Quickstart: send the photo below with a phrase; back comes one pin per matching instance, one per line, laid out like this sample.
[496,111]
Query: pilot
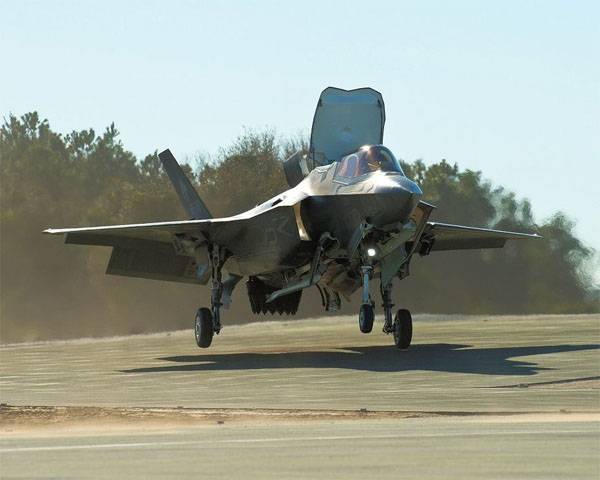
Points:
[372,161]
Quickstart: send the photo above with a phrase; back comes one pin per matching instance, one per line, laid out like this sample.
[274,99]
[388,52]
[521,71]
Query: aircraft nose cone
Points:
[399,185]
[401,195]
[413,187]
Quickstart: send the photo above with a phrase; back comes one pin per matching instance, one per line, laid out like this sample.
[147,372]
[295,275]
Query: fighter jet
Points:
[350,216]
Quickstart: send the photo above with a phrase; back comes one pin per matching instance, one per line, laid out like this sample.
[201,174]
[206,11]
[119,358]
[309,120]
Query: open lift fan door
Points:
[344,121]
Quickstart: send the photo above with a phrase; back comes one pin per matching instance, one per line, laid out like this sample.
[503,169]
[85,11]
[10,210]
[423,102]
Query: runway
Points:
[473,397]
[412,448]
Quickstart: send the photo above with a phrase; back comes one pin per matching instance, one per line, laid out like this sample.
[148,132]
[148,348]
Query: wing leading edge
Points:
[445,236]
[112,235]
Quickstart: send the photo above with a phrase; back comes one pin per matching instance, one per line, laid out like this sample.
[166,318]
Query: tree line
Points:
[49,290]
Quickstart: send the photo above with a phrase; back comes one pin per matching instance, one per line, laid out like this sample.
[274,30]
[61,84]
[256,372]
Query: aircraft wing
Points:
[148,250]
[444,236]
[257,239]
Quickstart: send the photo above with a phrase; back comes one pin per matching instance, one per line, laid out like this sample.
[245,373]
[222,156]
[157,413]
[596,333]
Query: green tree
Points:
[48,290]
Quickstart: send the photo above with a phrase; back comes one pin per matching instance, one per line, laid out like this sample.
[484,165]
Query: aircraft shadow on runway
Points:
[439,357]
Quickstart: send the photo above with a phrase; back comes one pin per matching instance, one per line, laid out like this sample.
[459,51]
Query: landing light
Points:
[371,252]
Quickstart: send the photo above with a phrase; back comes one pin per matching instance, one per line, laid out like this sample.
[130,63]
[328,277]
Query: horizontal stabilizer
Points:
[188,196]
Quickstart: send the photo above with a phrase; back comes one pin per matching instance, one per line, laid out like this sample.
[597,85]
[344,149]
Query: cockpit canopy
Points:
[370,158]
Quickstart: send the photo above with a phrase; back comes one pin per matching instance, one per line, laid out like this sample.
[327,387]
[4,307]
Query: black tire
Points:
[365,318]
[402,329]
[203,328]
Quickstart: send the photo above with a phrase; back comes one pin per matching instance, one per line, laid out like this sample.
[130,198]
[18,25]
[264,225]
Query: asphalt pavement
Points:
[493,397]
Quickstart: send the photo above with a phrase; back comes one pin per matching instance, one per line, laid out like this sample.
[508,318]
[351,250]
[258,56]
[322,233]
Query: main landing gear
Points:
[208,321]
[203,328]
[401,326]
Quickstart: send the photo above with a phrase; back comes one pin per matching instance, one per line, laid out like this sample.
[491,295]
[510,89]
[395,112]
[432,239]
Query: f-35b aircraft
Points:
[351,215]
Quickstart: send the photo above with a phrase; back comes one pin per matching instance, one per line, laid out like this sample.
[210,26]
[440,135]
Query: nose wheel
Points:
[365,318]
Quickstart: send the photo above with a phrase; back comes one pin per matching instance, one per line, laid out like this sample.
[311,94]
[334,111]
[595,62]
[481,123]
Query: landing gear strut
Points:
[386,297]
[208,321]
[216,264]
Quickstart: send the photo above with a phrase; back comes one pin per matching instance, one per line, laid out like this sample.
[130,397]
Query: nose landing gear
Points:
[400,326]
[366,315]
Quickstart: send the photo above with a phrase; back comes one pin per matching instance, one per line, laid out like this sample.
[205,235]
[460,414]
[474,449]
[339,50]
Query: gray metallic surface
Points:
[267,238]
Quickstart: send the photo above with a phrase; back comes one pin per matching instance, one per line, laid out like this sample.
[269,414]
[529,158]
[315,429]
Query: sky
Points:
[509,88]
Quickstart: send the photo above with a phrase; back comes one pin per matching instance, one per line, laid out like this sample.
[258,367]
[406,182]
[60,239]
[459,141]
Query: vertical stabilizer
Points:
[188,196]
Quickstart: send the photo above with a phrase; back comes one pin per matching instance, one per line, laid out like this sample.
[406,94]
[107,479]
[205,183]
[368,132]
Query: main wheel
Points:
[402,329]
[365,318]
[203,328]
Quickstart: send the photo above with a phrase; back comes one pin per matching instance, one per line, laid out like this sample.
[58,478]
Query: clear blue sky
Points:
[510,88]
